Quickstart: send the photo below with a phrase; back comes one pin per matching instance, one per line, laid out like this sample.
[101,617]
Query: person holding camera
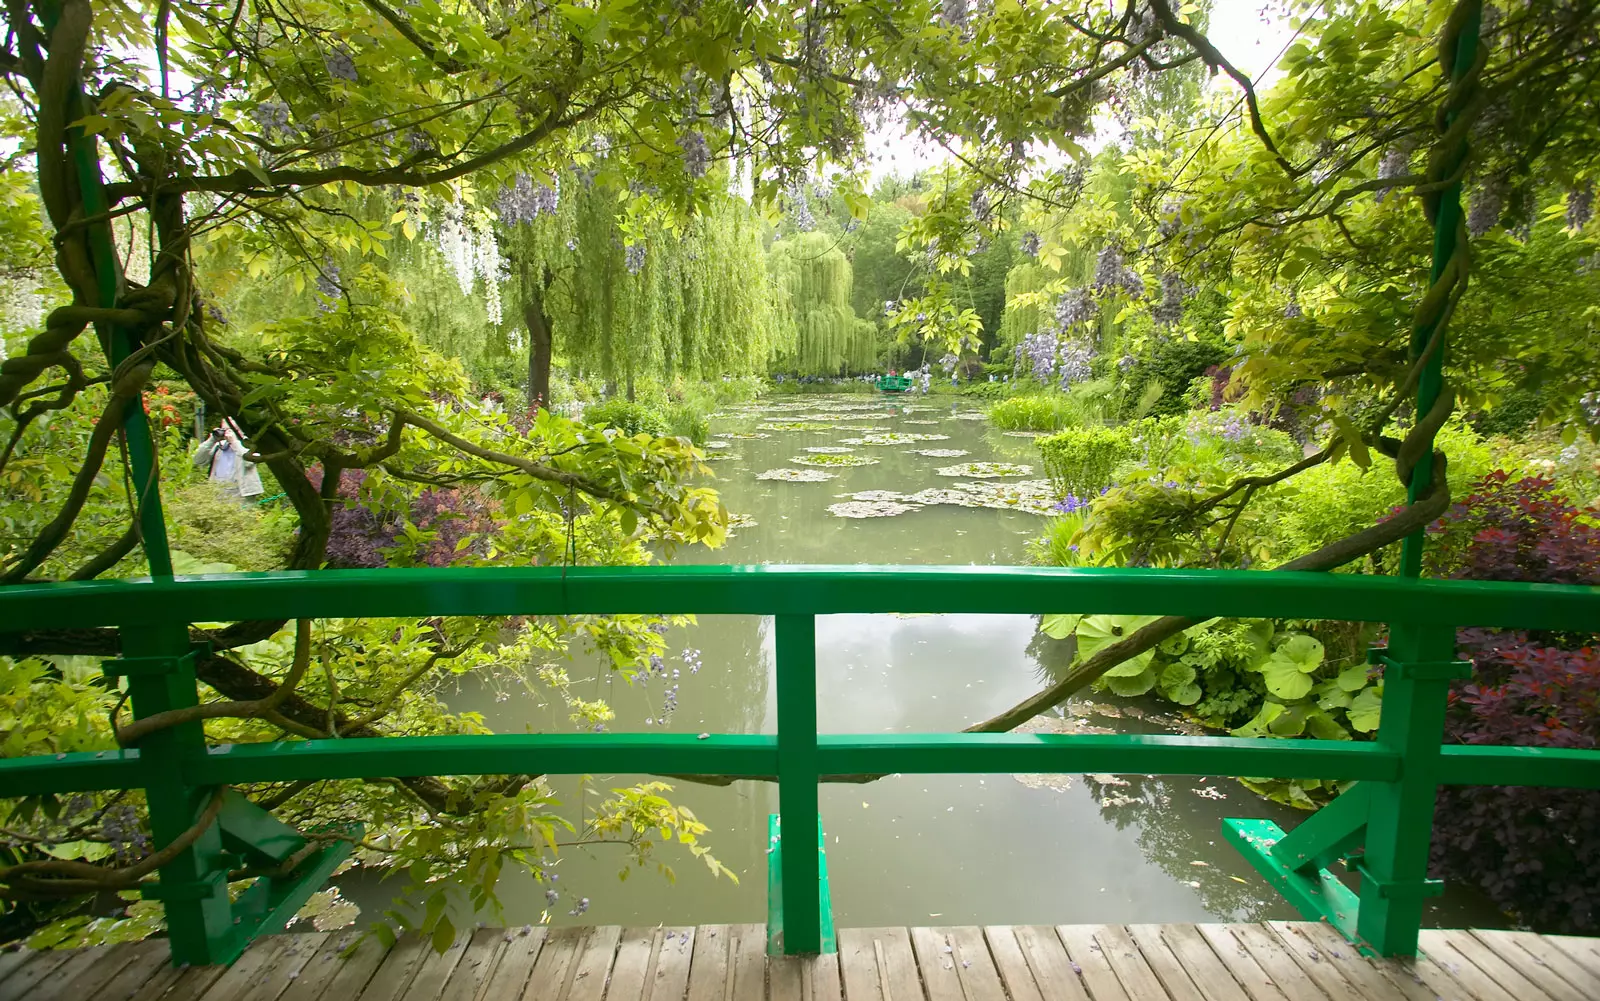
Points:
[222,456]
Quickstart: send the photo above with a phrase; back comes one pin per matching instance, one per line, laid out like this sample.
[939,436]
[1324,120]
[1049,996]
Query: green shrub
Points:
[688,420]
[629,418]
[1173,365]
[214,527]
[1513,415]
[1081,461]
[1036,412]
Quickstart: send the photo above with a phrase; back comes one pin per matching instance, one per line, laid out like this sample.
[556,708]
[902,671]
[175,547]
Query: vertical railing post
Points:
[796,645]
[1419,665]
[159,664]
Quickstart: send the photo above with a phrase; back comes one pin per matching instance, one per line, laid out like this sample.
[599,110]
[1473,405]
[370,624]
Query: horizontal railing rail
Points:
[1382,826]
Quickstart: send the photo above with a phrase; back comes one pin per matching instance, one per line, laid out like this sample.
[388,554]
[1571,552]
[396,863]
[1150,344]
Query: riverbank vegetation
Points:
[467,286]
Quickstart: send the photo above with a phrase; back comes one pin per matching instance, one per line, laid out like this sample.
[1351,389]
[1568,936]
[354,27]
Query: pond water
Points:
[906,850]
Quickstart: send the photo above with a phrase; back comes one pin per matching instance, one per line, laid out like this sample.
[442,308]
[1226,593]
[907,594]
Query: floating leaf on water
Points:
[741,520]
[986,470]
[862,428]
[831,450]
[795,426]
[909,421]
[1025,434]
[832,460]
[795,475]
[890,496]
[741,435]
[869,509]
[895,438]
[716,444]
[970,415]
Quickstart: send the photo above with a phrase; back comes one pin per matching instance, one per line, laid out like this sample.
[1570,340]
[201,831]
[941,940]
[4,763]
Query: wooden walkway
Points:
[1243,962]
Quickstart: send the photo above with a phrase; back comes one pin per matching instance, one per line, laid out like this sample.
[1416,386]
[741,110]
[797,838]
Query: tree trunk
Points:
[541,342]
[630,387]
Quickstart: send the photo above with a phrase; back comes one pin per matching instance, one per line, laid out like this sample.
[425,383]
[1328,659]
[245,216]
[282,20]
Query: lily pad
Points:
[716,444]
[831,460]
[831,450]
[741,520]
[1025,434]
[971,415]
[895,438]
[795,475]
[930,423]
[939,453]
[795,426]
[741,435]
[863,428]
[986,470]
[869,509]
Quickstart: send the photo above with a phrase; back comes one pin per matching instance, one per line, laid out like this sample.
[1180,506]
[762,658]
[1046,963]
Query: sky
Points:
[1249,40]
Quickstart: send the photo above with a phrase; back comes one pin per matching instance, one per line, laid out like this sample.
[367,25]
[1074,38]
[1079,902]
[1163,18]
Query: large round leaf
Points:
[1364,712]
[1304,652]
[1129,686]
[1059,626]
[1285,679]
[1096,631]
[1178,684]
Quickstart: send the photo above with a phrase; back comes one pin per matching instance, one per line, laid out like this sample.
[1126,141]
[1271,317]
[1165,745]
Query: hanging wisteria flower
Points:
[1396,161]
[1041,349]
[1073,309]
[696,154]
[328,290]
[981,209]
[953,14]
[523,201]
[948,363]
[1108,269]
[800,210]
[1169,310]
[1292,311]
[691,657]
[1580,205]
[1487,204]
[1076,358]
[1030,244]
[340,65]
[272,116]
[633,258]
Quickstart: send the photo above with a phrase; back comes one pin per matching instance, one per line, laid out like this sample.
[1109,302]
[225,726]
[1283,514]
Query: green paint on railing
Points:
[1382,828]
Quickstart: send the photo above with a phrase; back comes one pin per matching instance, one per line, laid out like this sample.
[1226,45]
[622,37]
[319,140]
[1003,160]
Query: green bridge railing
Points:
[1381,827]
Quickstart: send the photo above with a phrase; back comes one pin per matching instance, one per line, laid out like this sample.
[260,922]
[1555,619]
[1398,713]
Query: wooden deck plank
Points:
[1140,949]
[877,964]
[1583,950]
[394,973]
[434,971]
[254,966]
[286,966]
[1210,975]
[1090,963]
[81,963]
[1275,961]
[88,983]
[557,963]
[747,963]
[149,959]
[12,958]
[511,972]
[803,978]
[979,978]
[1493,966]
[708,964]
[318,971]
[632,970]
[672,964]
[1053,972]
[1544,955]
[1318,965]
[936,962]
[1372,978]
[187,984]
[1516,958]
[1257,982]
[594,964]
[476,963]
[1011,964]
[1454,978]
[40,965]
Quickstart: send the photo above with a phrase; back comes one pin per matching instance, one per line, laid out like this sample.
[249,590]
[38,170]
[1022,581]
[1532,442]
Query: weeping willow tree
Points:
[824,335]
[620,299]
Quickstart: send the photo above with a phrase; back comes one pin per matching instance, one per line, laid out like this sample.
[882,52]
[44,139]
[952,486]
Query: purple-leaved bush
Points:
[1532,851]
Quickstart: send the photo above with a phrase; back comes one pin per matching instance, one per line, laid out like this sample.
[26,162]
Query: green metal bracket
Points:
[208,887]
[151,667]
[1330,835]
[1409,890]
[775,889]
[1316,893]
[272,903]
[1420,670]
[254,835]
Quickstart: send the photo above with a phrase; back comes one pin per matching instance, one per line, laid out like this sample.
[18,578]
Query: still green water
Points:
[906,850]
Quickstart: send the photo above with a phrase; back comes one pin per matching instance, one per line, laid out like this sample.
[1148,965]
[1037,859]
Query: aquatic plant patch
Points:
[832,460]
[986,470]
[928,423]
[795,426]
[716,444]
[833,450]
[795,475]
[869,509]
[939,453]
[1025,434]
[741,435]
[862,428]
[895,438]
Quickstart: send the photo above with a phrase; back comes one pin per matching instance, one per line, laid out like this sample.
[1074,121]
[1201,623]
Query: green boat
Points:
[894,384]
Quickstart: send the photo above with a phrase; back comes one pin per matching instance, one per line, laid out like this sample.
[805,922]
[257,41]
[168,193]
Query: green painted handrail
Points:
[1398,772]
[795,589]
